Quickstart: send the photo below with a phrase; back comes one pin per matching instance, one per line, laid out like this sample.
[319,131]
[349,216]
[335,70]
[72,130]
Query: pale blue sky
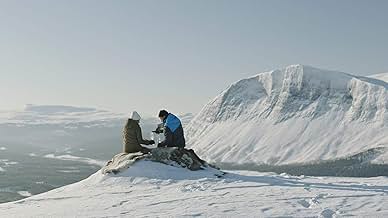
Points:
[147,55]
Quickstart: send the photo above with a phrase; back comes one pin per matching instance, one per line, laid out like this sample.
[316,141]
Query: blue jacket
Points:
[173,132]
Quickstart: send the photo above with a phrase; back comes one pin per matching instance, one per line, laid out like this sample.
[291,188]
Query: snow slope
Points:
[150,189]
[298,114]
[380,76]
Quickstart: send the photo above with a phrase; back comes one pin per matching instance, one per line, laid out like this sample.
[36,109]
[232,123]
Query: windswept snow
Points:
[186,118]
[24,193]
[77,159]
[7,162]
[157,190]
[299,114]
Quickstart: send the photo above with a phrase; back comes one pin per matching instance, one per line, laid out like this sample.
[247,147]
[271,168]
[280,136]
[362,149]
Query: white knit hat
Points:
[135,116]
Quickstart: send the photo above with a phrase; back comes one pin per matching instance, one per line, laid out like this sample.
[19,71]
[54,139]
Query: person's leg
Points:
[196,156]
[145,150]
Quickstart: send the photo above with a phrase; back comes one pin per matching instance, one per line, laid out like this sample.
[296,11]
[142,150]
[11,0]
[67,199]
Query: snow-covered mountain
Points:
[380,76]
[298,114]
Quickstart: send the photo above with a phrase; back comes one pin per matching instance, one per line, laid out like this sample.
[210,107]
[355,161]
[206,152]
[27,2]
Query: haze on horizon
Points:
[177,55]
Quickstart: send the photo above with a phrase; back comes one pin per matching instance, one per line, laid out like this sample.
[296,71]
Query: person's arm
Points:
[139,137]
[168,138]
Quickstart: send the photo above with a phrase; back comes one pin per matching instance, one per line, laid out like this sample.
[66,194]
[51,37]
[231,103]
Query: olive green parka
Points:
[132,138]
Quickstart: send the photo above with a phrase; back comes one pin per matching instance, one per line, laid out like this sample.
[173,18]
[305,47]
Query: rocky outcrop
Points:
[178,157]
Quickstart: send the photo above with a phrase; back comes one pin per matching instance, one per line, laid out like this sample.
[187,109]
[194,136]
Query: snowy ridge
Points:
[153,189]
[380,76]
[294,115]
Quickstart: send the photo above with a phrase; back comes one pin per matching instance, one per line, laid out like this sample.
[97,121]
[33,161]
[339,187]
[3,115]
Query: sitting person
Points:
[173,130]
[132,136]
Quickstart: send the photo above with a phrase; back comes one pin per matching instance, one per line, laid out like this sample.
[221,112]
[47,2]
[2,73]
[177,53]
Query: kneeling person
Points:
[173,130]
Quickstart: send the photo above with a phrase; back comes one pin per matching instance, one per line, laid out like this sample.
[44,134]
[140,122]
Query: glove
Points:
[161,146]
[151,142]
[158,131]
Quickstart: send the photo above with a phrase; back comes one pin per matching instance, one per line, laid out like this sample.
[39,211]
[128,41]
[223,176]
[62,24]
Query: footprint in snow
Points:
[304,203]
[313,201]
[119,204]
[307,189]
[320,196]
[193,188]
[327,213]
[317,199]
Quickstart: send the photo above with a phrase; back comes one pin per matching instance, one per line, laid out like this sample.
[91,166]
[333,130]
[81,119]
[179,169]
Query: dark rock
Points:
[178,157]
